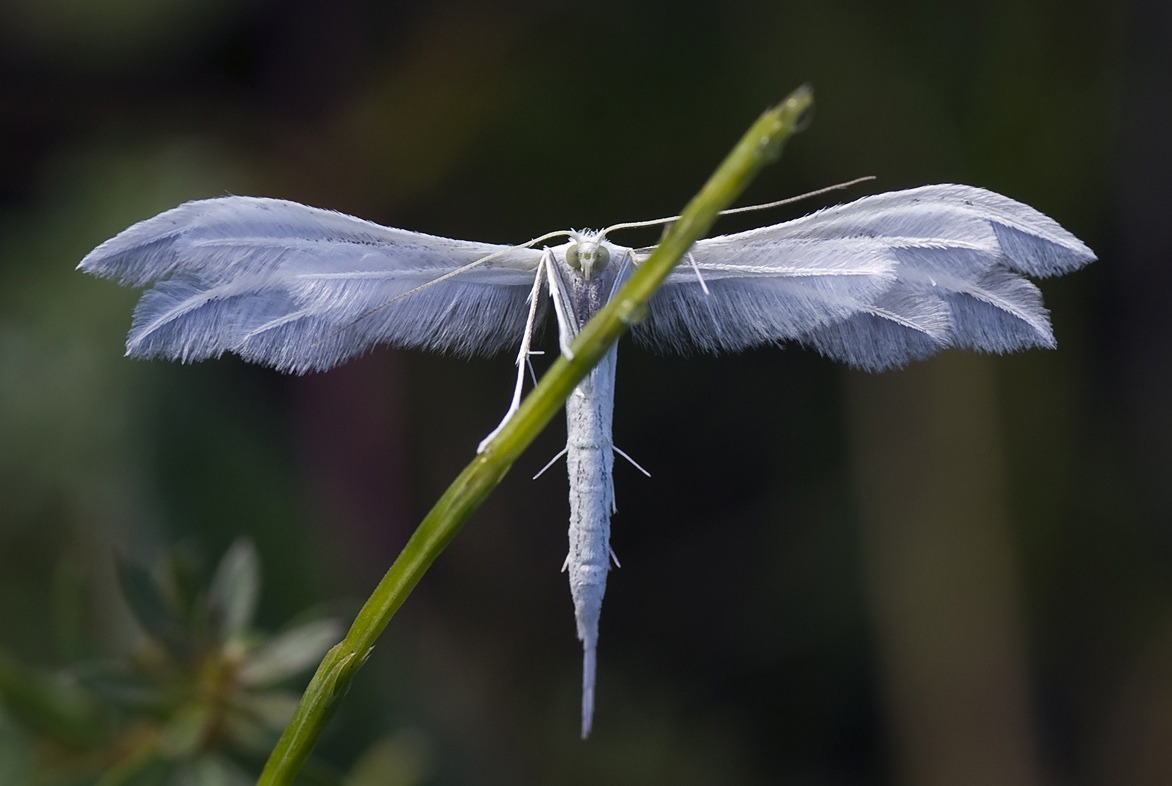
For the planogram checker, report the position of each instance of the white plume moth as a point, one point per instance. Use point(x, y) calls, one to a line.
point(876, 283)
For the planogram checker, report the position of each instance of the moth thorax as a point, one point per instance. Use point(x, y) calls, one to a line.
point(588, 256)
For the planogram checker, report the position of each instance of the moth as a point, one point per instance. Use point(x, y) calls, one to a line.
point(876, 283)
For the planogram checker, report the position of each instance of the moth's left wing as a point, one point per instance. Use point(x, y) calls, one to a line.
point(300, 289)
point(876, 283)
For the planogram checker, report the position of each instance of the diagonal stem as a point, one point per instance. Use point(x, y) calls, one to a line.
point(760, 145)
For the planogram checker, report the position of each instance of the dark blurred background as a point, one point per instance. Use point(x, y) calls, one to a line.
point(956, 573)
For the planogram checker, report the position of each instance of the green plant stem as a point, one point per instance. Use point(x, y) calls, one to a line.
point(760, 145)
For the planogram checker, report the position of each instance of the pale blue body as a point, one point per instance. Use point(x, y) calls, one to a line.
point(590, 455)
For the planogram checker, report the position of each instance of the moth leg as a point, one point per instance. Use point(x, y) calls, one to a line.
point(552, 461)
point(626, 268)
point(529, 363)
point(717, 331)
point(696, 270)
point(522, 357)
point(632, 461)
point(562, 305)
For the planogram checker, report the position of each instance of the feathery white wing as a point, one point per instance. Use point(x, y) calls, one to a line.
point(300, 288)
point(876, 282)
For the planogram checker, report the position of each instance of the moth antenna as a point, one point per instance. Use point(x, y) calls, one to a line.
point(799, 197)
point(522, 354)
point(816, 192)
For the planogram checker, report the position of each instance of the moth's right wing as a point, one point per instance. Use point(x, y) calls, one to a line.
point(301, 289)
point(876, 282)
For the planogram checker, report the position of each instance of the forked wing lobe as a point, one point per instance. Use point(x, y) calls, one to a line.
point(876, 283)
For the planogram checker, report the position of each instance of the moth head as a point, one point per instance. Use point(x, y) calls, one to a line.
point(587, 254)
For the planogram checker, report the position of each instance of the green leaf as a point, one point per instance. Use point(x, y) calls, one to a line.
point(256, 719)
point(180, 575)
point(271, 708)
point(113, 682)
point(51, 704)
point(187, 730)
point(150, 606)
point(290, 653)
point(234, 591)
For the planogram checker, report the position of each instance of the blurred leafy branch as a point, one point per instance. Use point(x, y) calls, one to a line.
point(200, 701)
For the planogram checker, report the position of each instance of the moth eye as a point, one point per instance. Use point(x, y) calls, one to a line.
point(572, 257)
point(601, 258)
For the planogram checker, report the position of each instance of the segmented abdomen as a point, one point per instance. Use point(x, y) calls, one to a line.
point(590, 460)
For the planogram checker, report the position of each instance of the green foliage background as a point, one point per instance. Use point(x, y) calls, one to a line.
point(954, 573)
